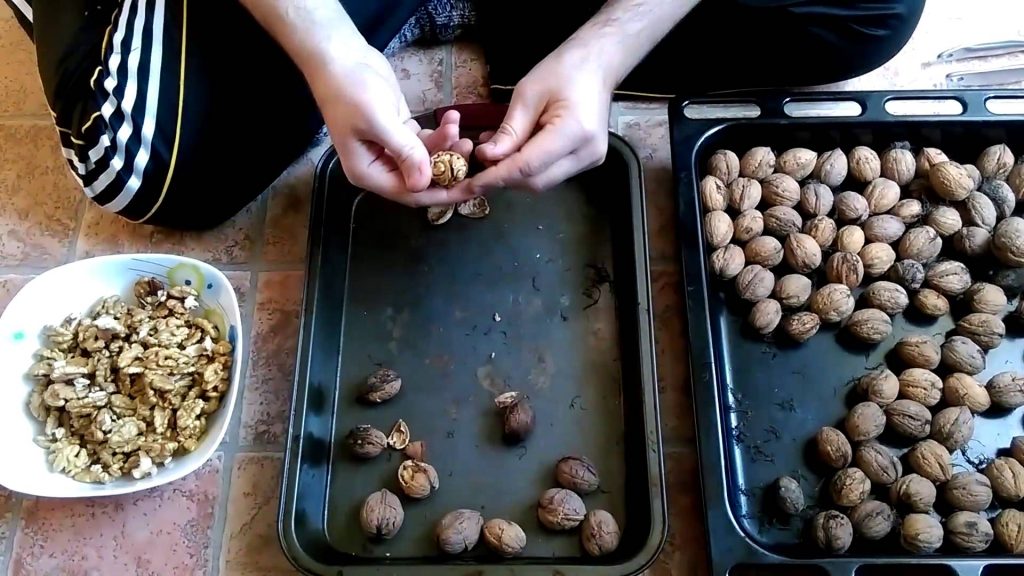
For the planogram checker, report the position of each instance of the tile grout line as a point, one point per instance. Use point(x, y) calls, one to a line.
point(448, 80)
point(12, 531)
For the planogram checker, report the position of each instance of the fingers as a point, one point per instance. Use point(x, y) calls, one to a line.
point(520, 120)
point(367, 166)
point(408, 152)
point(462, 147)
point(553, 143)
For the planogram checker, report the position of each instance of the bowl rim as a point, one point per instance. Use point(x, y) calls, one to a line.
point(165, 475)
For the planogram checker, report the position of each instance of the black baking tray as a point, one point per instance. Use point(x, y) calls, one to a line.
point(548, 295)
point(761, 401)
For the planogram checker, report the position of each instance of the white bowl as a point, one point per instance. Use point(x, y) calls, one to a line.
point(75, 288)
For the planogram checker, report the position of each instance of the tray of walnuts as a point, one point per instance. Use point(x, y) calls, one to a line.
point(854, 283)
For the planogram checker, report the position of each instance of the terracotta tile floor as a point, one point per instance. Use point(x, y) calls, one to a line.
point(221, 520)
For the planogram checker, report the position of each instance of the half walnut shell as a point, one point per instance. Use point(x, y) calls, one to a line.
point(399, 437)
point(474, 207)
point(438, 215)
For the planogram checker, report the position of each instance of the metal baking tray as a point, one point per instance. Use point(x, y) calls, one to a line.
point(762, 401)
point(548, 295)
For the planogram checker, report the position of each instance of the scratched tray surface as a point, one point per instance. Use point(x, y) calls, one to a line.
point(773, 396)
point(542, 297)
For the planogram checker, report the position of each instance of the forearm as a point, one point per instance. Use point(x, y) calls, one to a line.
point(623, 32)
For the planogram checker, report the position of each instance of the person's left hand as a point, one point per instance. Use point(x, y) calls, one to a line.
point(556, 126)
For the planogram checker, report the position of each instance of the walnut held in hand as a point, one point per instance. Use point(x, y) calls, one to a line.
point(504, 537)
point(560, 509)
point(381, 386)
point(517, 416)
point(417, 479)
point(599, 533)
point(969, 491)
point(366, 441)
point(382, 515)
point(459, 530)
point(832, 531)
point(448, 168)
point(577, 473)
point(872, 519)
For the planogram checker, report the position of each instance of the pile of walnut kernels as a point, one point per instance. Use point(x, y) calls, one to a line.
point(126, 387)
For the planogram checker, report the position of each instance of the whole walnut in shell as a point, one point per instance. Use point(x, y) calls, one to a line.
point(1008, 528)
point(869, 325)
point(849, 487)
point(1007, 478)
point(880, 386)
point(458, 531)
point(976, 176)
point(1006, 389)
point(908, 210)
point(758, 163)
point(382, 515)
point(832, 531)
point(921, 244)
point(560, 509)
point(920, 534)
point(865, 165)
point(780, 190)
point(448, 168)
point(963, 390)
point(921, 386)
point(1001, 195)
point(969, 491)
point(1008, 242)
point(872, 519)
point(951, 181)
point(801, 326)
point(366, 441)
point(764, 250)
point(931, 303)
point(882, 194)
point(946, 220)
point(907, 273)
point(747, 226)
point(727, 261)
point(972, 241)
point(793, 290)
point(986, 298)
point(754, 283)
point(1015, 179)
point(877, 258)
point(908, 418)
point(899, 164)
point(417, 479)
point(724, 165)
point(765, 316)
point(714, 194)
point(884, 228)
point(986, 330)
point(717, 228)
point(969, 531)
point(832, 303)
point(1017, 448)
point(888, 297)
point(822, 229)
point(504, 537)
point(931, 460)
point(744, 194)
point(928, 157)
point(913, 491)
point(816, 199)
point(382, 385)
point(831, 168)
point(949, 277)
point(802, 253)
point(960, 354)
point(953, 427)
point(878, 463)
point(980, 211)
point(781, 221)
point(844, 268)
point(797, 163)
point(995, 161)
point(577, 473)
point(833, 447)
point(850, 238)
point(789, 496)
point(864, 422)
point(599, 533)
point(919, 351)
point(517, 416)
point(851, 207)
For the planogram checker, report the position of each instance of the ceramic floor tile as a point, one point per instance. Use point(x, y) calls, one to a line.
point(251, 545)
point(107, 233)
point(39, 199)
point(287, 230)
point(10, 284)
point(469, 74)
point(420, 72)
point(166, 530)
point(20, 90)
point(268, 386)
point(685, 552)
point(670, 340)
point(648, 135)
point(7, 504)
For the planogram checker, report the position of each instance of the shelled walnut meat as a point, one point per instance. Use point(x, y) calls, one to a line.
point(448, 168)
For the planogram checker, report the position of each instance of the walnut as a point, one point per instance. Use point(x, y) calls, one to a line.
point(909, 418)
point(850, 239)
point(437, 215)
point(399, 436)
point(458, 531)
point(599, 533)
point(764, 250)
point(921, 244)
point(931, 460)
point(1017, 448)
point(995, 161)
point(744, 194)
point(1008, 528)
point(969, 491)
point(960, 354)
point(816, 199)
point(832, 531)
point(822, 229)
point(869, 325)
point(833, 447)
point(714, 194)
point(577, 473)
point(765, 316)
point(474, 207)
point(882, 194)
point(382, 515)
point(1015, 179)
point(417, 479)
point(980, 211)
point(832, 303)
point(865, 165)
point(888, 297)
point(747, 226)
point(865, 421)
point(788, 495)
point(801, 326)
point(831, 168)
point(908, 210)
point(975, 174)
point(717, 228)
point(953, 427)
point(1006, 389)
point(879, 464)
point(884, 228)
point(986, 298)
point(382, 385)
point(560, 509)
point(920, 534)
point(1008, 242)
point(921, 386)
point(797, 163)
point(781, 221)
point(793, 290)
point(727, 261)
point(517, 417)
point(899, 164)
point(972, 241)
point(851, 207)
point(849, 487)
point(448, 168)
point(780, 190)
point(802, 253)
point(946, 220)
point(928, 157)
point(986, 330)
point(754, 283)
point(877, 259)
point(880, 386)
point(1001, 196)
point(758, 163)
point(950, 181)
point(1007, 478)
point(949, 277)
point(931, 303)
point(724, 165)
point(919, 351)
point(913, 491)
point(963, 390)
point(872, 519)
point(920, 189)
point(504, 537)
point(1011, 280)
point(844, 268)
point(416, 450)
point(366, 441)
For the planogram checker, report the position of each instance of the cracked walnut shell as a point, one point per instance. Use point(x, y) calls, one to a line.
point(504, 537)
point(417, 479)
point(599, 533)
point(560, 509)
point(474, 207)
point(448, 168)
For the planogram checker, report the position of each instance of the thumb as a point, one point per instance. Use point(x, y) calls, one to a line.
point(406, 148)
point(515, 130)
